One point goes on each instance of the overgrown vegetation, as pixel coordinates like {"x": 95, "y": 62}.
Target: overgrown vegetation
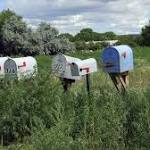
{"x": 36, "y": 114}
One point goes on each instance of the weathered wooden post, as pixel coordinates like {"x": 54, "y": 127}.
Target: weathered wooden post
{"x": 118, "y": 61}
{"x": 61, "y": 67}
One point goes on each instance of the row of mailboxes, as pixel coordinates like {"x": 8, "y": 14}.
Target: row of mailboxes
{"x": 116, "y": 60}
{"x": 72, "y": 68}
{"x": 18, "y": 68}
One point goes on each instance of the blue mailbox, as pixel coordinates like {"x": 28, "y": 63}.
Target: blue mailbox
{"x": 117, "y": 59}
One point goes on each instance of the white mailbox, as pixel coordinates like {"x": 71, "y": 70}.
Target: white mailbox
{"x": 61, "y": 66}
{"x": 20, "y": 68}
{"x": 2, "y": 72}
{"x": 83, "y": 67}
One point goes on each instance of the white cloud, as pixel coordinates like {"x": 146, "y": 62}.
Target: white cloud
{"x": 70, "y": 16}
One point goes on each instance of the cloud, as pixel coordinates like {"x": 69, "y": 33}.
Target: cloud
{"x": 71, "y": 16}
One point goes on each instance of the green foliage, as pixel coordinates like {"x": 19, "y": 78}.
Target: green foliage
{"x": 36, "y": 114}
{"x": 146, "y": 35}
{"x": 45, "y": 40}
{"x": 110, "y": 35}
{"x": 14, "y": 35}
{"x": 67, "y": 36}
{"x": 87, "y": 46}
{"x": 6, "y": 15}
{"x": 128, "y": 40}
{"x": 16, "y": 38}
{"x": 87, "y": 34}
{"x": 22, "y": 112}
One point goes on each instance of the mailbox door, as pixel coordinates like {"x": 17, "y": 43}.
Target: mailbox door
{"x": 126, "y": 59}
{"x": 74, "y": 69}
{"x": 59, "y": 65}
{"x": 111, "y": 60}
{"x": 10, "y": 69}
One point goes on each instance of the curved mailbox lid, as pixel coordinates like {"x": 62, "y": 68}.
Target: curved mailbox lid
{"x": 117, "y": 59}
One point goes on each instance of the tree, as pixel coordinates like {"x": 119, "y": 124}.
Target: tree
{"x": 87, "y": 34}
{"x": 110, "y": 35}
{"x": 127, "y": 39}
{"x": 80, "y": 45}
{"x": 46, "y": 40}
{"x": 4, "y": 17}
{"x": 67, "y": 36}
{"x": 14, "y": 33}
{"x": 146, "y": 35}
{"x": 86, "y": 30}
{"x": 84, "y": 35}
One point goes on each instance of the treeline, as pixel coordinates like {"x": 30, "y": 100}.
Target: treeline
{"x": 87, "y": 34}
{"x": 17, "y": 38}
{"x": 90, "y": 40}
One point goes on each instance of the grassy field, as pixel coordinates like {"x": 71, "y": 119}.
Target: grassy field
{"x": 37, "y": 115}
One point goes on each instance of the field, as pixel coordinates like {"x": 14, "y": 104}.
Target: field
{"x": 37, "y": 114}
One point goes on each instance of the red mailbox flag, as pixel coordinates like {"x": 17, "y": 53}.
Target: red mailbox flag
{"x": 86, "y": 69}
{"x": 24, "y": 65}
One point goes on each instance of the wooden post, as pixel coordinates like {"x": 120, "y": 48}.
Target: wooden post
{"x": 67, "y": 83}
{"x": 121, "y": 81}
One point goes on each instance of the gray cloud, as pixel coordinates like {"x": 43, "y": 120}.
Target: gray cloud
{"x": 70, "y": 16}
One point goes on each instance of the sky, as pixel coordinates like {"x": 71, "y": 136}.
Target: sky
{"x": 119, "y": 16}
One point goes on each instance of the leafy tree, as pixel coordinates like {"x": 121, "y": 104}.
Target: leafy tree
{"x": 86, "y": 30}
{"x": 5, "y": 15}
{"x": 68, "y": 36}
{"x": 146, "y": 35}
{"x": 84, "y": 35}
{"x": 80, "y": 45}
{"x": 127, "y": 39}
{"x": 46, "y": 40}
{"x": 110, "y": 35}
{"x": 87, "y": 35}
{"x": 14, "y": 32}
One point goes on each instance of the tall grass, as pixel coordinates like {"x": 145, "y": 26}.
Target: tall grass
{"x": 37, "y": 115}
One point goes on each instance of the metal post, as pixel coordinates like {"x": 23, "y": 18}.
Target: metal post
{"x": 88, "y": 83}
